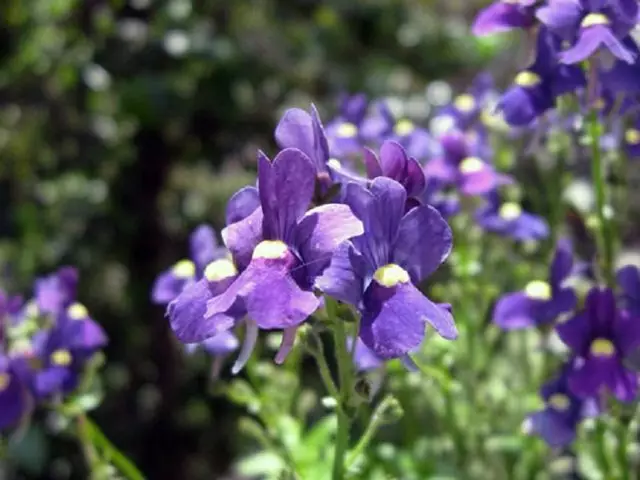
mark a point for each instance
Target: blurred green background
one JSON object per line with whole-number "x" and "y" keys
{"x": 124, "y": 124}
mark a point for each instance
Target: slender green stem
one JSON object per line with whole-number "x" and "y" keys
{"x": 125, "y": 466}
{"x": 345, "y": 369}
{"x": 377, "y": 419}
{"x": 88, "y": 449}
{"x": 323, "y": 368}
{"x": 345, "y": 374}
{"x": 605, "y": 232}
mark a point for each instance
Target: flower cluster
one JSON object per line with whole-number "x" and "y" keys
{"x": 46, "y": 346}
{"x": 367, "y": 240}
{"x": 598, "y": 337}
{"x": 566, "y": 33}
{"x": 601, "y": 331}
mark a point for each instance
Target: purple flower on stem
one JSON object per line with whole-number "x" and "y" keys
{"x": 510, "y": 220}
{"x": 601, "y": 336}
{"x": 377, "y": 271}
{"x": 64, "y": 349}
{"x": 558, "y": 421}
{"x": 280, "y": 249}
{"x": 14, "y": 396}
{"x": 591, "y": 26}
{"x": 534, "y": 90}
{"x": 460, "y": 167}
{"x": 204, "y": 249}
{"x": 504, "y": 15}
{"x": 541, "y": 301}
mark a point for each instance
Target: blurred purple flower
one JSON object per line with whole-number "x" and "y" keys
{"x": 591, "y": 26}
{"x": 504, "y": 15}
{"x": 204, "y": 249}
{"x": 601, "y": 336}
{"x": 460, "y": 167}
{"x": 558, "y": 421}
{"x": 535, "y": 89}
{"x": 541, "y": 301}
{"x": 510, "y": 220}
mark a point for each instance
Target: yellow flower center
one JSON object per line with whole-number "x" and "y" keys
{"x": 538, "y": 290}
{"x": 220, "y": 269}
{"x": 184, "y": 269}
{"x": 391, "y": 275}
{"x": 471, "y": 165}
{"x": 595, "y": 19}
{"x": 559, "y": 401}
{"x": 61, "y": 357}
{"x": 510, "y": 211}
{"x": 347, "y": 130}
{"x": 270, "y": 249}
{"x": 527, "y": 79}
{"x": 465, "y": 102}
{"x": 602, "y": 347}
{"x": 632, "y": 136}
{"x": 5, "y": 380}
{"x": 404, "y": 127}
{"x": 77, "y": 311}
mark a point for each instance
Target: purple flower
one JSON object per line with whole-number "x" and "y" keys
{"x": 304, "y": 131}
{"x": 465, "y": 109}
{"x": 394, "y": 163}
{"x": 14, "y": 396}
{"x": 344, "y": 133}
{"x": 628, "y": 278}
{"x": 377, "y": 271}
{"x": 541, "y": 301}
{"x": 504, "y": 15}
{"x": 280, "y": 248}
{"x": 535, "y": 89}
{"x": 591, "y": 26}
{"x": 510, "y": 220}
{"x": 601, "y": 336}
{"x": 63, "y": 351}
{"x": 204, "y": 249}
{"x": 56, "y": 291}
{"x": 460, "y": 167}
{"x": 558, "y": 421}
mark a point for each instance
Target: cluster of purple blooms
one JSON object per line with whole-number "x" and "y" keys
{"x": 604, "y": 330}
{"x": 45, "y": 346}
{"x": 599, "y": 336}
{"x": 356, "y": 211}
{"x": 566, "y": 34}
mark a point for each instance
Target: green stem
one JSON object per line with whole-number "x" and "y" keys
{"x": 377, "y": 419}
{"x": 88, "y": 449}
{"x": 345, "y": 370}
{"x": 323, "y": 368}
{"x": 96, "y": 438}
{"x": 605, "y": 233}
